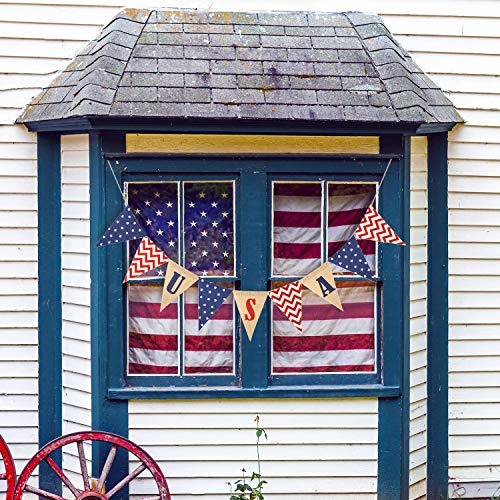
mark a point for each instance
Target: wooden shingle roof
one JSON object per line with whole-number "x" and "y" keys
{"x": 269, "y": 65}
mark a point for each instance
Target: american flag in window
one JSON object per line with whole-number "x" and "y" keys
{"x": 193, "y": 223}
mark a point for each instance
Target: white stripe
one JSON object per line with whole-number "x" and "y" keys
{"x": 324, "y": 358}
{"x": 145, "y": 293}
{"x": 208, "y": 358}
{"x": 213, "y": 327}
{"x": 343, "y": 203}
{"x": 341, "y": 233}
{"x": 153, "y": 326}
{"x": 319, "y": 328}
{"x": 297, "y": 235}
{"x": 152, "y": 357}
{"x": 294, "y": 267}
{"x": 297, "y": 203}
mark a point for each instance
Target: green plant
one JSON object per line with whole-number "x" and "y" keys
{"x": 251, "y": 489}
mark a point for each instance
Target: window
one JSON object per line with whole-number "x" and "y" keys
{"x": 255, "y": 225}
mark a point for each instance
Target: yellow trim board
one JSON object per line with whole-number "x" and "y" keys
{"x": 225, "y": 143}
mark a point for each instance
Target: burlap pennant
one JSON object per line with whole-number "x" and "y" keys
{"x": 322, "y": 283}
{"x": 250, "y": 305}
{"x": 177, "y": 281}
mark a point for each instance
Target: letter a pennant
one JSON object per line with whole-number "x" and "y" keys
{"x": 322, "y": 283}
{"x": 288, "y": 298}
{"x": 250, "y": 305}
{"x": 373, "y": 227}
{"x": 147, "y": 257}
{"x": 177, "y": 281}
{"x": 210, "y": 298}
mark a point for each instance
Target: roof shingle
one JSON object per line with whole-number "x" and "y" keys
{"x": 268, "y": 65}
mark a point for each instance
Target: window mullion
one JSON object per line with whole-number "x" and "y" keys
{"x": 254, "y": 252}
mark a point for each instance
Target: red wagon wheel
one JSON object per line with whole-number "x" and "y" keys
{"x": 10, "y": 470}
{"x": 91, "y": 488}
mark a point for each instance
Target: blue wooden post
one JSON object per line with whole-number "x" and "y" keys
{"x": 106, "y": 331}
{"x": 437, "y": 317}
{"x": 393, "y": 434}
{"x": 49, "y": 301}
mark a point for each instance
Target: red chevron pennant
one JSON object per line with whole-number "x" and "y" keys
{"x": 288, "y": 298}
{"x": 147, "y": 257}
{"x": 374, "y": 227}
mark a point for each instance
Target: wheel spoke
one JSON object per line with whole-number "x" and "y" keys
{"x": 107, "y": 467}
{"x": 126, "y": 480}
{"x": 83, "y": 465}
{"x": 62, "y": 476}
{"x": 42, "y": 493}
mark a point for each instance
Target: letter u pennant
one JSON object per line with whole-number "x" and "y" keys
{"x": 177, "y": 281}
{"x": 250, "y": 305}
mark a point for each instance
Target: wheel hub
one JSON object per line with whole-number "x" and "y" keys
{"x": 91, "y": 495}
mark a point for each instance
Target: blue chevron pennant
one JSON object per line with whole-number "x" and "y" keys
{"x": 210, "y": 298}
{"x": 125, "y": 227}
{"x": 351, "y": 258}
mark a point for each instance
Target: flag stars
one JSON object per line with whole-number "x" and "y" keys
{"x": 203, "y": 213}
{"x": 193, "y": 243}
{"x": 159, "y": 232}
{"x": 204, "y": 253}
{"x": 224, "y": 234}
{"x": 226, "y": 254}
{"x": 224, "y": 194}
{"x": 171, "y": 223}
{"x": 159, "y": 213}
{"x": 215, "y": 264}
{"x": 193, "y": 223}
{"x": 171, "y": 243}
{"x": 191, "y": 205}
{"x": 204, "y": 234}
{"x": 214, "y": 204}
{"x": 147, "y": 203}
{"x": 160, "y": 272}
{"x": 225, "y": 214}
{"x": 215, "y": 244}
{"x": 215, "y": 223}
{"x": 137, "y": 211}
{"x": 194, "y": 264}
{"x": 169, "y": 204}
{"x": 149, "y": 222}
{"x": 157, "y": 194}
{"x": 205, "y": 273}
{"x": 202, "y": 194}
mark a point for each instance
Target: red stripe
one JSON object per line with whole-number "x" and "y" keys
{"x": 152, "y": 310}
{"x": 297, "y": 250}
{"x": 225, "y": 312}
{"x": 346, "y": 217}
{"x": 352, "y": 310}
{"x": 323, "y": 343}
{"x": 322, "y": 369}
{"x": 368, "y": 247}
{"x": 208, "y": 342}
{"x": 153, "y": 342}
{"x": 297, "y": 189}
{"x": 297, "y": 219}
{"x": 208, "y": 369}
{"x": 350, "y": 190}
{"x": 137, "y": 368}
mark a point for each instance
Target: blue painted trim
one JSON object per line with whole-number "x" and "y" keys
{"x": 302, "y": 392}
{"x": 437, "y": 318}
{"x": 106, "y": 338}
{"x": 393, "y": 459}
{"x": 49, "y": 301}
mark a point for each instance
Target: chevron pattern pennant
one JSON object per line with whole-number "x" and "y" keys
{"x": 288, "y": 299}
{"x": 147, "y": 257}
{"x": 374, "y": 227}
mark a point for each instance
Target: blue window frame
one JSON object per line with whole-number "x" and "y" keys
{"x": 253, "y": 178}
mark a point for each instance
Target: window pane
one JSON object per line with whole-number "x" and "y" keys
{"x": 332, "y": 340}
{"x": 296, "y": 227}
{"x": 156, "y": 206}
{"x": 153, "y": 335}
{"x": 209, "y": 228}
{"x": 211, "y": 350}
{"x": 347, "y": 204}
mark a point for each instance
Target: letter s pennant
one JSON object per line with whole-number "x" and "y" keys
{"x": 177, "y": 281}
{"x": 250, "y": 305}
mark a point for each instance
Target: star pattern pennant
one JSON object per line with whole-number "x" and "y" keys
{"x": 210, "y": 298}
{"x": 288, "y": 299}
{"x": 147, "y": 257}
{"x": 351, "y": 258}
{"x": 373, "y": 227}
{"x": 124, "y": 228}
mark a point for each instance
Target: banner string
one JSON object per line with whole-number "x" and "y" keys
{"x": 380, "y": 183}
{"x": 117, "y": 182}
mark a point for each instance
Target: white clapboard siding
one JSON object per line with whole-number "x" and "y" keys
{"x": 75, "y": 292}
{"x": 418, "y": 319}
{"x": 315, "y": 449}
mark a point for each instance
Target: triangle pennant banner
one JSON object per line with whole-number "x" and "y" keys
{"x": 322, "y": 283}
{"x": 250, "y": 306}
{"x": 210, "y": 298}
{"x": 177, "y": 281}
{"x": 147, "y": 257}
{"x": 288, "y": 299}
{"x": 351, "y": 258}
{"x": 125, "y": 227}
{"x": 373, "y": 227}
